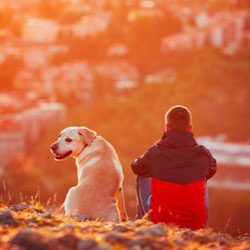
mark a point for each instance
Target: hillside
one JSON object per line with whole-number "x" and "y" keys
{"x": 30, "y": 227}
{"x": 214, "y": 86}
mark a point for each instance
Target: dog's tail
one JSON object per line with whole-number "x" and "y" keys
{"x": 121, "y": 204}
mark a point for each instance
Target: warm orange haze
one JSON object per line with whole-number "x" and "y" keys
{"x": 116, "y": 67}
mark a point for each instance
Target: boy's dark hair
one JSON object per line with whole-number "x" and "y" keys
{"x": 178, "y": 118}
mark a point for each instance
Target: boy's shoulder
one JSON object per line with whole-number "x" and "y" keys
{"x": 205, "y": 151}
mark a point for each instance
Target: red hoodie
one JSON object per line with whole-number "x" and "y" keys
{"x": 182, "y": 205}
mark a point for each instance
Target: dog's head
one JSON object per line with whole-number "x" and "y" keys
{"x": 72, "y": 141}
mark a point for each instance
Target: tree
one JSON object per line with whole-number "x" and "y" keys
{"x": 145, "y": 33}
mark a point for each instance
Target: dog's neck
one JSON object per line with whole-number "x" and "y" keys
{"x": 85, "y": 153}
{"x": 87, "y": 158}
{"x": 86, "y": 146}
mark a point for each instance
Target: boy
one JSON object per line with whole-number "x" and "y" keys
{"x": 179, "y": 169}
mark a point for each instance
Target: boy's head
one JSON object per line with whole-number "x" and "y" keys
{"x": 178, "y": 118}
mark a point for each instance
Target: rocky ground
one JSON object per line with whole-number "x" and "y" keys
{"x": 31, "y": 227}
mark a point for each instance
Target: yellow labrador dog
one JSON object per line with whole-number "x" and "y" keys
{"x": 99, "y": 172}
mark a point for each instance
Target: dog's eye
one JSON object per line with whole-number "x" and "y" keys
{"x": 68, "y": 140}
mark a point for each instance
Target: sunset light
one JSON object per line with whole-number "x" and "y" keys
{"x": 116, "y": 67}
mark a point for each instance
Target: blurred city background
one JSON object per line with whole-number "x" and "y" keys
{"x": 116, "y": 67}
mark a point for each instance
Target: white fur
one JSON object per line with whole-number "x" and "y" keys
{"x": 92, "y": 161}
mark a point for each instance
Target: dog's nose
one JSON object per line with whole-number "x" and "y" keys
{"x": 54, "y": 147}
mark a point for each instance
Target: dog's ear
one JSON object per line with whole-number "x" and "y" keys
{"x": 88, "y": 134}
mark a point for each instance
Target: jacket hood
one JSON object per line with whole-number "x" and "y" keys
{"x": 176, "y": 158}
{"x": 176, "y": 139}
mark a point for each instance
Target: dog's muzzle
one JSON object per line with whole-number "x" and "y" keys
{"x": 54, "y": 148}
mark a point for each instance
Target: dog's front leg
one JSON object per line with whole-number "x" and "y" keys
{"x": 70, "y": 203}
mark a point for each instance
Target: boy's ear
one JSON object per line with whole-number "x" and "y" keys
{"x": 168, "y": 128}
{"x": 190, "y": 127}
{"x": 87, "y": 134}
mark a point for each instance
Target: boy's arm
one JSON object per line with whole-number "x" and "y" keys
{"x": 142, "y": 165}
{"x": 212, "y": 168}
{"x": 212, "y": 164}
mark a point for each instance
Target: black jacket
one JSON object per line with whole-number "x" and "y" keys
{"x": 176, "y": 158}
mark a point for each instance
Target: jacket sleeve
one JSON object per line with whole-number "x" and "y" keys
{"x": 212, "y": 168}
{"x": 143, "y": 165}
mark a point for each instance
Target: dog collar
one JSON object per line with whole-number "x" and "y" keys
{"x": 86, "y": 145}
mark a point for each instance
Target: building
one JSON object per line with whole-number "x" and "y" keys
{"x": 23, "y": 126}
{"x": 92, "y": 25}
{"x": 234, "y": 164}
{"x": 12, "y": 140}
{"x": 121, "y": 73}
{"x": 167, "y": 76}
{"x": 40, "y": 30}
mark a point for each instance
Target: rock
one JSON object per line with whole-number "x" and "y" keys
{"x": 81, "y": 217}
{"x": 131, "y": 223}
{"x": 47, "y": 220}
{"x": 68, "y": 225}
{"x": 104, "y": 247}
{"x": 244, "y": 238}
{"x": 38, "y": 210}
{"x": 69, "y": 241}
{"x": 46, "y": 223}
{"x": 120, "y": 229}
{"x": 116, "y": 238}
{"x": 187, "y": 234}
{"x": 6, "y": 218}
{"x": 227, "y": 248}
{"x": 213, "y": 236}
{"x": 29, "y": 239}
{"x": 32, "y": 221}
{"x": 202, "y": 239}
{"x": 54, "y": 244}
{"x": 155, "y": 230}
{"x": 55, "y": 229}
{"x": 45, "y": 215}
{"x": 222, "y": 242}
{"x": 19, "y": 207}
{"x": 86, "y": 244}
{"x": 179, "y": 242}
{"x": 146, "y": 243}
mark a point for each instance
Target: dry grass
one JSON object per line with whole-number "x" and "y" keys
{"x": 24, "y": 226}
